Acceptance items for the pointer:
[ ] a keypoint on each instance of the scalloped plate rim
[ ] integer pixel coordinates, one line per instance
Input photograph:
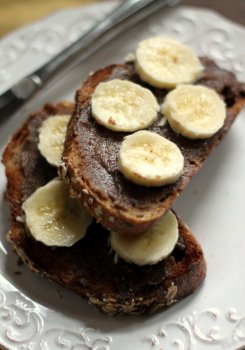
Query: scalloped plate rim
(187, 320)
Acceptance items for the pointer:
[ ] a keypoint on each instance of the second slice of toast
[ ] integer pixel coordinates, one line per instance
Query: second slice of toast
(89, 267)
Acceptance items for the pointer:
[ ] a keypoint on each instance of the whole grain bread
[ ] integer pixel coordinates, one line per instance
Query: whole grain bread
(89, 268)
(90, 166)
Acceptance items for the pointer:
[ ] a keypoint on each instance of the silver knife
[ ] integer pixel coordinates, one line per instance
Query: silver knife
(121, 18)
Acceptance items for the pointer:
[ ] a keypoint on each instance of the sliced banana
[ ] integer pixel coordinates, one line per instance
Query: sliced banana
(149, 159)
(150, 247)
(53, 218)
(194, 111)
(121, 105)
(52, 137)
(164, 62)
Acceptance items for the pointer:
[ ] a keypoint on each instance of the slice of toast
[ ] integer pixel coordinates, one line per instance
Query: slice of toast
(90, 158)
(89, 268)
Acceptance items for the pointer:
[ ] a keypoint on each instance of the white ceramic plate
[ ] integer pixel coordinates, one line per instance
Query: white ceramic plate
(36, 314)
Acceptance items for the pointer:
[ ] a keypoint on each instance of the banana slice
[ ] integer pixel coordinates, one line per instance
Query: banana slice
(121, 105)
(149, 159)
(150, 247)
(52, 137)
(194, 111)
(53, 218)
(164, 62)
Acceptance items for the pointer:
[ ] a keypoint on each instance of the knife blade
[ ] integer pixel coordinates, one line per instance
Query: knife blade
(124, 16)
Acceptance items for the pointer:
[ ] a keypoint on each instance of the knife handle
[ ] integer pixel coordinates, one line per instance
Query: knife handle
(102, 32)
(124, 16)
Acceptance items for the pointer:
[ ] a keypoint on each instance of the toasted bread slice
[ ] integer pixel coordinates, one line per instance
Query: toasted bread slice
(90, 158)
(88, 268)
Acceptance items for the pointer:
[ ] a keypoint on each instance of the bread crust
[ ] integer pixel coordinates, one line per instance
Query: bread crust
(89, 163)
(117, 288)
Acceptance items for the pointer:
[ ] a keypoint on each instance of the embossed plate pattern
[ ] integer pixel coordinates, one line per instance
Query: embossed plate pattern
(36, 314)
